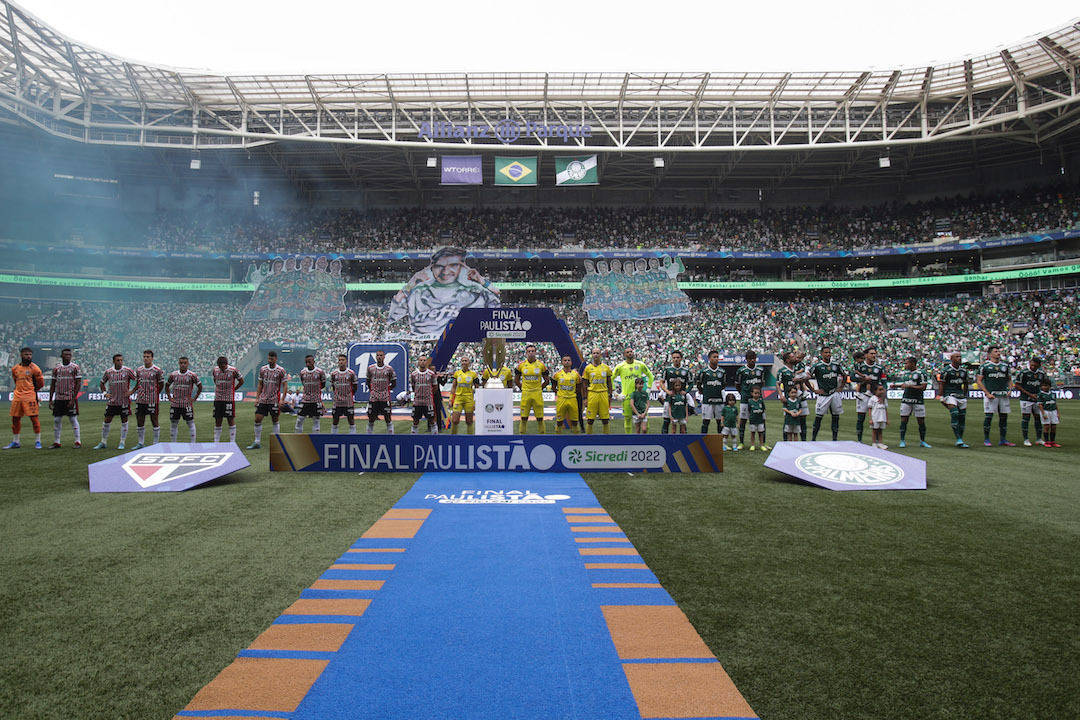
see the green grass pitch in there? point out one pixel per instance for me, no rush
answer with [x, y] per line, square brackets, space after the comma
[959, 602]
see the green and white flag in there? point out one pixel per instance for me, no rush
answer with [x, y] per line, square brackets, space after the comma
[515, 171]
[576, 170]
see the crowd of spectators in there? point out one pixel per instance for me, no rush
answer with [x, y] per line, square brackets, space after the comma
[782, 229]
[1043, 324]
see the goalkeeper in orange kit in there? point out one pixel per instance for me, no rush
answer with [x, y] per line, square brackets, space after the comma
[28, 380]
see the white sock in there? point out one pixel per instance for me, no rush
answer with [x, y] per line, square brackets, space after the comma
[123, 432]
[277, 428]
[414, 429]
[37, 437]
[142, 434]
[232, 433]
[434, 429]
[191, 430]
[370, 427]
[157, 434]
[389, 427]
[352, 429]
[76, 429]
[56, 429]
[105, 431]
[258, 432]
[299, 424]
[217, 433]
[174, 427]
[316, 424]
[15, 438]
[333, 429]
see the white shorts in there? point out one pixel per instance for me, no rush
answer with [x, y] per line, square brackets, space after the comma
[877, 425]
[918, 409]
[729, 431]
[993, 405]
[829, 403]
[641, 421]
[756, 428]
[744, 411]
[805, 407]
[952, 401]
[862, 402]
[1050, 417]
[792, 429]
[710, 411]
[1027, 407]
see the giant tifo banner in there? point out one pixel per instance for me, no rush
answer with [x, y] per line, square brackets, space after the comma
[305, 288]
[520, 453]
[436, 294]
[634, 289]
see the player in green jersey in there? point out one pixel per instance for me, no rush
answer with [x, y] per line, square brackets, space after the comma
[1047, 405]
[756, 421]
[868, 374]
[1029, 383]
[675, 370]
[828, 378]
[792, 406]
[952, 390]
[993, 380]
[748, 377]
[729, 417]
[913, 382]
[639, 400]
[711, 381]
[675, 408]
[625, 374]
[788, 381]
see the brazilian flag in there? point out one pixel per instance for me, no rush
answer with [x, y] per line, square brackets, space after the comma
[515, 171]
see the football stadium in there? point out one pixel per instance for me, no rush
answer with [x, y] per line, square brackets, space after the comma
[708, 393]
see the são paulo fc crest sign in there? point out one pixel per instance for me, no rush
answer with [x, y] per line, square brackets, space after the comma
[848, 465]
[166, 467]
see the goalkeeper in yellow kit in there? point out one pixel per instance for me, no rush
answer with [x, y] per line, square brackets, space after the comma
[597, 377]
[566, 382]
[531, 377]
[626, 374]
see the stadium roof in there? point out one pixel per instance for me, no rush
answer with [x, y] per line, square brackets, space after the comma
[1027, 94]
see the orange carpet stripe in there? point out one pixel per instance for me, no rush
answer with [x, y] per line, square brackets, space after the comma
[590, 528]
[328, 606]
[589, 519]
[684, 690]
[603, 540]
[266, 684]
[607, 551]
[616, 566]
[313, 637]
[406, 514]
[374, 550]
[627, 586]
[584, 510]
[362, 566]
[393, 528]
[347, 585]
[653, 631]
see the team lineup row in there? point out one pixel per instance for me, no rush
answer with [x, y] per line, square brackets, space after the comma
[797, 383]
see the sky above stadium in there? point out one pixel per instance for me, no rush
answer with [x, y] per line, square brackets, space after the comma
[553, 35]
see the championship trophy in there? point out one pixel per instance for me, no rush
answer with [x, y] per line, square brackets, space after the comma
[494, 352]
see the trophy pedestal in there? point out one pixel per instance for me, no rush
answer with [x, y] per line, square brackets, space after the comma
[494, 411]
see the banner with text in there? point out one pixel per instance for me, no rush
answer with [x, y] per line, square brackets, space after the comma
[462, 170]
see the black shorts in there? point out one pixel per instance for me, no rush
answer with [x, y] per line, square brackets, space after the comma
[176, 414]
[224, 409]
[423, 411]
[343, 411]
[112, 411]
[311, 410]
[65, 408]
[144, 409]
[377, 408]
[265, 409]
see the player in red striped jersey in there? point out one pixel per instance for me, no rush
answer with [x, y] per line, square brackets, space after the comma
[149, 381]
[425, 383]
[343, 381]
[182, 387]
[116, 384]
[272, 379]
[313, 380]
[381, 381]
[227, 380]
[64, 396]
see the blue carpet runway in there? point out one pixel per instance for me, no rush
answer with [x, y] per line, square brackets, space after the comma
[480, 596]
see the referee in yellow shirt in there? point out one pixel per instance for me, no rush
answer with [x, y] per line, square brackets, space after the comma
[566, 382]
[597, 377]
[465, 380]
[531, 377]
